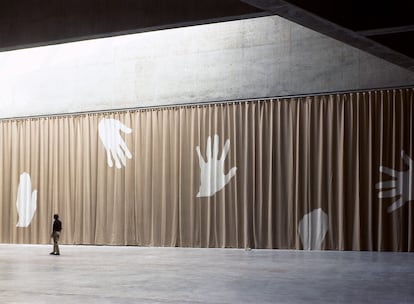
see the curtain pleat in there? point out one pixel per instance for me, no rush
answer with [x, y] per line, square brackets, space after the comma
[317, 172]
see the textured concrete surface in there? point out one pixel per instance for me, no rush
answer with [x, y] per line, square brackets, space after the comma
[251, 58]
[103, 274]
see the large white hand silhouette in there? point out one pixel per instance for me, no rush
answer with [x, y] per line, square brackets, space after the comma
[114, 144]
[312, 229]
[402, 186]
[212, 177]
[26, 200]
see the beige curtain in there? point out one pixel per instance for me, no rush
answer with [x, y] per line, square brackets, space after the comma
[306, 175]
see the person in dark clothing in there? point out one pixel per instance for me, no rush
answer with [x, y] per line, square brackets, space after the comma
[57, 228]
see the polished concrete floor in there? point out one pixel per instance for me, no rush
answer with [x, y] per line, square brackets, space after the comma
[105, 274]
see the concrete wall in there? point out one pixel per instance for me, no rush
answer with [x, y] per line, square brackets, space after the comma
[250, 58]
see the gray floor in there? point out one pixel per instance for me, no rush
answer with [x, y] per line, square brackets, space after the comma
[104, 274]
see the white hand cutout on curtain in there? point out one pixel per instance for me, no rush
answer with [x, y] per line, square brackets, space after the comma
[212, 177]
[402, 186]
[114, 144]
[26, 200]
[312, 229]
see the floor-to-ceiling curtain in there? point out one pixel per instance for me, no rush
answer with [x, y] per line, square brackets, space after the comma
[316, 172]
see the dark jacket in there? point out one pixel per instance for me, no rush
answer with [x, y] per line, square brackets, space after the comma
[57, 225]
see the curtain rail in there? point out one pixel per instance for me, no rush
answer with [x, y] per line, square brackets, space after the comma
[224, 101]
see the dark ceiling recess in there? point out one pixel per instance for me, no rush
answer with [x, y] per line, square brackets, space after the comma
[398, 41]
[362, 14]
[38, 22]
[382, 28]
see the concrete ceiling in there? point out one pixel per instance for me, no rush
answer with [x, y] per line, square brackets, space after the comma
[38, 22]
[383, 29]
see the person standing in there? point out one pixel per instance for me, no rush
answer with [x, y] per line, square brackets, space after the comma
[57, 228]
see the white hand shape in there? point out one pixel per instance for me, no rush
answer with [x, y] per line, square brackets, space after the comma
[26, 200]
[312, 229]
[212, 177]
[113, 142]
[402, 186]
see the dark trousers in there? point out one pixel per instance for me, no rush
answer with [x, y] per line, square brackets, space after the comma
[55, 236]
